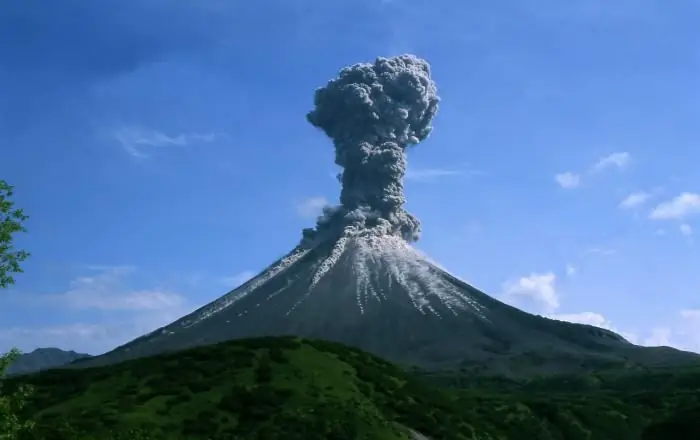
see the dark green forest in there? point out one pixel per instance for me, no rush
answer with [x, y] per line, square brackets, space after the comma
[290, 388]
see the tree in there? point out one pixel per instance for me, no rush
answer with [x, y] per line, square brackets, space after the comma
[11, 425]
[11, 222]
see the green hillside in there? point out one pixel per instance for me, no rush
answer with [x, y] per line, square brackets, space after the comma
[288, 388]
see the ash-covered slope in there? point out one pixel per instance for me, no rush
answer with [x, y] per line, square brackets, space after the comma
[385, 297]
[356, 279]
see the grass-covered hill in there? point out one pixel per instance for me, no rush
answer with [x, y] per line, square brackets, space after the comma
[289, 388]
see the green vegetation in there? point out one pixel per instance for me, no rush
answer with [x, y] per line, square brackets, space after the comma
[11, 404]
[262, 388]
[11, 222]
[289, 388]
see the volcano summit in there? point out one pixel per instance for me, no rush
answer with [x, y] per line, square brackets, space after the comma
[355, 278]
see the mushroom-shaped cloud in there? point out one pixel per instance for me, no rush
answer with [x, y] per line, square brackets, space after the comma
[372, 113]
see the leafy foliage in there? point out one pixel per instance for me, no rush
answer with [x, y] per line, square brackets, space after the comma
[11, 404]
[11, 222]
[291, 388]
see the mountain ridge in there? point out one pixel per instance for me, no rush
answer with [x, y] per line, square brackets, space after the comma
[42, 359]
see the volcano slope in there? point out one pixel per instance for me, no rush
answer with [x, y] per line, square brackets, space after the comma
[355, 277]
[393, 302]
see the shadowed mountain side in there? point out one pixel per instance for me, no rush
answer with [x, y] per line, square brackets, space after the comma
[42, 359]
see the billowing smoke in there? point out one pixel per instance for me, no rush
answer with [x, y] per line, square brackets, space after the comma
[372, 113]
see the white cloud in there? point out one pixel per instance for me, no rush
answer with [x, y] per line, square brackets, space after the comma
[121, 313]
[684, 334]
[614, 160]
[590, 318]
[691, 314]
[568, 180]
[634, 200]
[659, 337]
[137, 300]
[73, 330]
[104, 291]
[80, 337]
[681, 206]
[690, 329]
[686, 229]
[136, 141]
[238, 279]
[90, 338]
[597, 320]
[539, 288]
[311, 207]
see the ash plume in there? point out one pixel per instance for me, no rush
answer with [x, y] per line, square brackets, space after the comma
[373, 113]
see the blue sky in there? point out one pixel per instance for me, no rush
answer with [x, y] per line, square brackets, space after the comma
[161, 149]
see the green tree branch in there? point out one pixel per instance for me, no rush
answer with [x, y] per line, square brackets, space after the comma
[11, 222]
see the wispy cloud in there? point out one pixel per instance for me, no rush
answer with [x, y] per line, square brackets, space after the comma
[691, 314]
[539, 288]
[311, 207]
[105, 290]
[68, 337]
[599, 251]
[568, 180]
[139, 141]
[433, 174]
[570, 270]
[614, 160]
[690, 329]
[88, 337]
[237, 279]
[124, 312]
[658, 337]
[571, 179]
[683, 334]
[634, 200]
[678, 208]
[686, 229]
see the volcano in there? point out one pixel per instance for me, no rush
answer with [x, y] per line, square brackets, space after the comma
[356, 278]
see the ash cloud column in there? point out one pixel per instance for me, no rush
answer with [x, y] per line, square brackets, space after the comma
[373, 113]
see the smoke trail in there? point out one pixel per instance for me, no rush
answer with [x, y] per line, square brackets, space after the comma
[372, 113]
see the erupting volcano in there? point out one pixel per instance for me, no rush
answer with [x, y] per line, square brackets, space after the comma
[355, 278]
